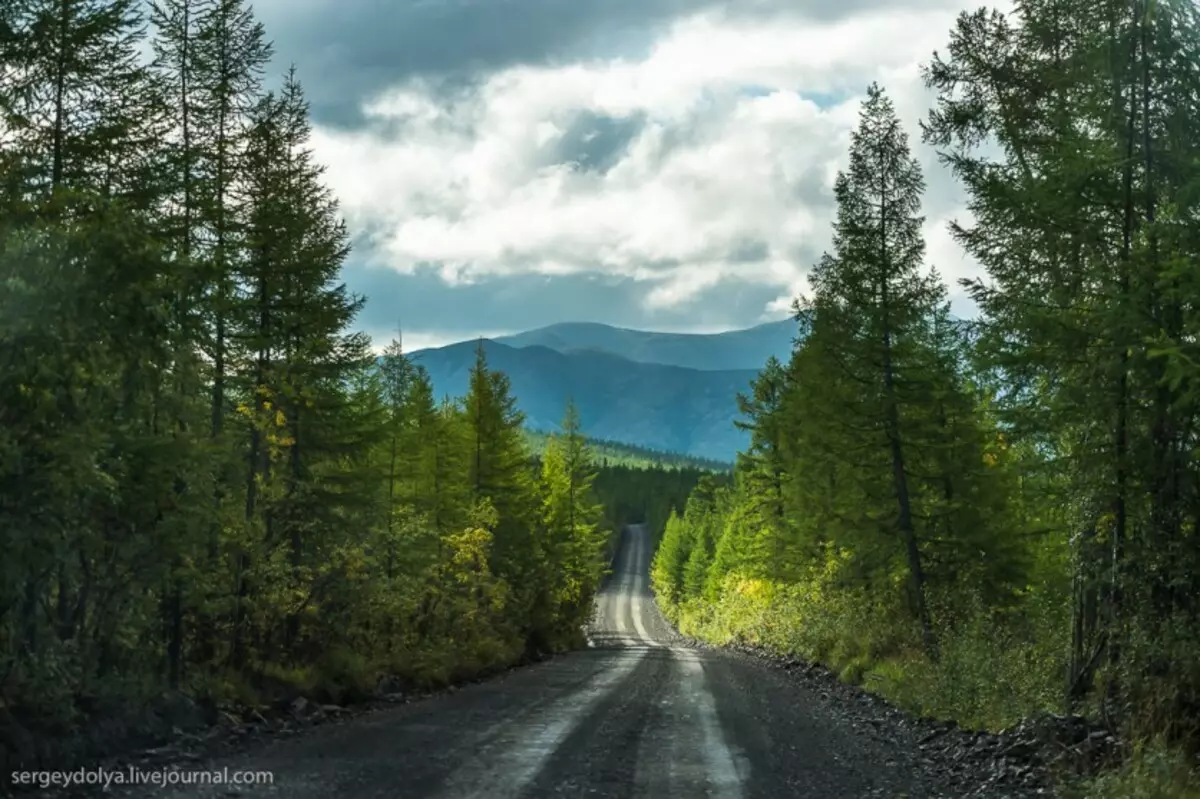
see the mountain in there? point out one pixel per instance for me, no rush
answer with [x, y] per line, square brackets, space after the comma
[652, 405]
[737, 349]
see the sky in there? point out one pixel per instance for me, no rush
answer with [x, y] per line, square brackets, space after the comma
[654, 164]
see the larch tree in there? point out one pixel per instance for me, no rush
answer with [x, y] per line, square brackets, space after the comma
[1080, 224]
[499, 475]
[763, 467]
[573, 539]
[871, 301]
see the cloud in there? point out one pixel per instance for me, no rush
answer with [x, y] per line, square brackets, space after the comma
[351, 50]
[669, 178]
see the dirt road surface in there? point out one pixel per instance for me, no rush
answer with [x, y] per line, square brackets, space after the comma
[638, 714]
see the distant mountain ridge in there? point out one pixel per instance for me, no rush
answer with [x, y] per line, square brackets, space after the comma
[736, 349]
[672, 392]
[656, 406]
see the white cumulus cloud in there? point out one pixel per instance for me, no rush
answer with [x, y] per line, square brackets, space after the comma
[737, 128]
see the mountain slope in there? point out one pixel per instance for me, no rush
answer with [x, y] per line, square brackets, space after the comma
[616, 453]
[657, 406]
[736, 349]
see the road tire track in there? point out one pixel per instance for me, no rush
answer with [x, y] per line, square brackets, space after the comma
[637, 715]
[512, 759]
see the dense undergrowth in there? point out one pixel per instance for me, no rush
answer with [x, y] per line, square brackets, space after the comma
[987, 676]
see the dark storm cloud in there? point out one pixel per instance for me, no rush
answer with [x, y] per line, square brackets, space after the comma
[423, 302]
[349, 50]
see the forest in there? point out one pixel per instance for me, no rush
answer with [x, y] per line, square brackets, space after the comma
[993, 518]
[211, 487]
[617, 453]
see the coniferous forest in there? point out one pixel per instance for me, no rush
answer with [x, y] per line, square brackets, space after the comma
[209, 485]
[992, 518]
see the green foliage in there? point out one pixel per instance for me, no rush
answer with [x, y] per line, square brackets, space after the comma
[574, 538]
[211, 483]
[1086, 313]
[867, 474]
[644, 495]
[1155, 771]
[989, 521]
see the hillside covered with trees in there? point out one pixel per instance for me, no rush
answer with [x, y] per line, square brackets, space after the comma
[615, 453]
[991, 522]
[659, 406]
[211, 487]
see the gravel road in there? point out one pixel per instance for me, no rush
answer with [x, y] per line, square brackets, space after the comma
[640, 713]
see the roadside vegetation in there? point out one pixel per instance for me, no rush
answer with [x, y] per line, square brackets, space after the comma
[215, 496]
[992, 520]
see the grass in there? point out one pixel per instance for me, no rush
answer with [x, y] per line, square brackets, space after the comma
[1155, 771]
